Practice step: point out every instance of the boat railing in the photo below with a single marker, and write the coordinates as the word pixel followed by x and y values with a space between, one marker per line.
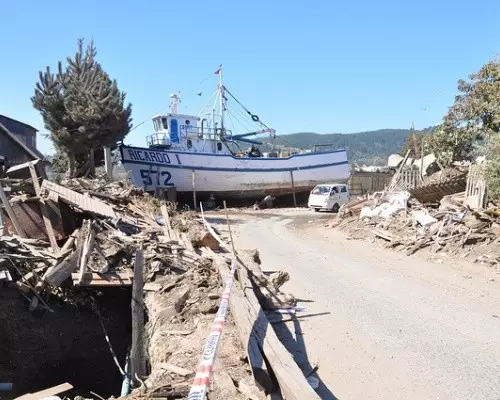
pixel 206 133
pixel 162 139
pixel 158 139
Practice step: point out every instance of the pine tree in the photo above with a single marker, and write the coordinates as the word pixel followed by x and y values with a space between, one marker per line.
pixel 82 108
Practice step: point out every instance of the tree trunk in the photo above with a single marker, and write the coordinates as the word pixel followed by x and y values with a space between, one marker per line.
pixel 71 167
pixel 91 166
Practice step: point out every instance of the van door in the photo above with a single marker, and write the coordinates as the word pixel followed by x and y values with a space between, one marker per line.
pixel 344 195
pixel 334 196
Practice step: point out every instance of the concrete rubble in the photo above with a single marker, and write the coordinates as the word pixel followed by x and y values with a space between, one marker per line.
pixel 434 215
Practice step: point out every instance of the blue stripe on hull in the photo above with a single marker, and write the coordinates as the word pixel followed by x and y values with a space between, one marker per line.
pixel 230 155
pixel 198 168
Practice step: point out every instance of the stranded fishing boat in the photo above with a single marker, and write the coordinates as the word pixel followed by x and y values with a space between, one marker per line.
pixel 199 152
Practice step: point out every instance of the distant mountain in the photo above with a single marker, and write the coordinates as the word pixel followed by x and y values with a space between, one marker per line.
pixel 372 147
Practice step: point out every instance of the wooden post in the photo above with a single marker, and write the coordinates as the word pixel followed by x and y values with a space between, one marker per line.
pixel 43 207
pixel 137 356
pixel 19 229
pixel 293 190
pixel 238 268
pixel 167 229
pixel 194 189
pixel 108 162
pixel 86 251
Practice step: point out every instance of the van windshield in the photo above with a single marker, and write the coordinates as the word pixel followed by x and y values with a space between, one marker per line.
pixel 324 190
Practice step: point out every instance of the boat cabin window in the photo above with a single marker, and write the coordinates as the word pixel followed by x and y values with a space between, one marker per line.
pixel 156 125
pixel 219 146
pixel 189 143
pixel 343 189
pixel 164 122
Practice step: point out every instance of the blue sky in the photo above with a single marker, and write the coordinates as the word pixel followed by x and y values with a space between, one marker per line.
pixel 317 66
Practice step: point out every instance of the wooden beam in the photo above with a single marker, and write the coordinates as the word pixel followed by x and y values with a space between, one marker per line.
pixel 244 323
pixel 107 279
pixel 261 342
pixel 137 351
pixel 167 229
pixel 86 251
pixel 46 393
pixel 84 203
pixel 58 273
pixel 45 212
pixel 19 229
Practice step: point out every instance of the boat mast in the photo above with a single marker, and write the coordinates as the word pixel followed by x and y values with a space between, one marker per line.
pixel 221 94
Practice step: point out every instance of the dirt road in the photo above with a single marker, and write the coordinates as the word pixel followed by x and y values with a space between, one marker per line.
pixel 397 327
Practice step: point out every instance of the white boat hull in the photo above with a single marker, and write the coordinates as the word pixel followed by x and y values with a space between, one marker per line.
pixel 227 176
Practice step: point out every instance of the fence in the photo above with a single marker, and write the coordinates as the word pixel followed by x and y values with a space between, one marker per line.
pixel 476 193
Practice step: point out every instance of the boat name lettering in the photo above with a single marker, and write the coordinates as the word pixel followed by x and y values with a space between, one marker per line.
pixel 151 156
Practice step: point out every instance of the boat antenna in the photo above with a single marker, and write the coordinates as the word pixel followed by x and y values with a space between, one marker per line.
pixel 174 104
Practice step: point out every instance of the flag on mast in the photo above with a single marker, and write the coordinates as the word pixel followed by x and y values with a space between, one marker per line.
pixel 218 70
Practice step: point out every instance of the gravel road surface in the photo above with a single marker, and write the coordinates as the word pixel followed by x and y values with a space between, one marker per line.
pixel 395 327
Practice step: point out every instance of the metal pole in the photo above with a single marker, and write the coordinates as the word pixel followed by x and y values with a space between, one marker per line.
pixel 194 189
pixel 293 190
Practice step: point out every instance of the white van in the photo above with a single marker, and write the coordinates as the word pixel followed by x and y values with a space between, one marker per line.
pixel 328 196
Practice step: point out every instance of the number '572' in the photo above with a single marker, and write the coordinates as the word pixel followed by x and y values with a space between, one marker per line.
pixel 147 180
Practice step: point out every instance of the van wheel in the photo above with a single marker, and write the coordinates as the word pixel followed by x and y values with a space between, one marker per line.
pixel 336 208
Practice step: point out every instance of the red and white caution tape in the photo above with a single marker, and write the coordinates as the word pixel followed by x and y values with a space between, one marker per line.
pixel 202 379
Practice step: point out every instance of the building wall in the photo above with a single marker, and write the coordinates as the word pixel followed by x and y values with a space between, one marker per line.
pixel 11 150
pixel 368 182
pixel 25 134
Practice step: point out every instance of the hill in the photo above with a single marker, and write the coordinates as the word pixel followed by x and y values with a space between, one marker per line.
pixel 372 147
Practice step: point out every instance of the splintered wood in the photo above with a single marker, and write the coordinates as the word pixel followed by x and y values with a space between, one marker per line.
pixel 117 238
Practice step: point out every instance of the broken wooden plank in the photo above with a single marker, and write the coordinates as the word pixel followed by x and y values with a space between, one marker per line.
pixel 293 384
pixel 84 203
pixel 47 392
pixel 261 342
pixel 137 351
pixel 10 212
pixel 122 278
pixel 383 235
pixel 152 287
pixel 43 207
pixel 86 250
pixel 175 369
pixel 178 332
pixel 166 222
pixel 58 273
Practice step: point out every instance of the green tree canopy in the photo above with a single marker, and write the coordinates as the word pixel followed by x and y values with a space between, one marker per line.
pixel 82 108
pixel 476 115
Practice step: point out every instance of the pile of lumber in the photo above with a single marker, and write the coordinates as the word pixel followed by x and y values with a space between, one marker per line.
pixel 108 223
pixel 101 234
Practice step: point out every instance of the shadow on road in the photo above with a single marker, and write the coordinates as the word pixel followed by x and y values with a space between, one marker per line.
pixel 295 344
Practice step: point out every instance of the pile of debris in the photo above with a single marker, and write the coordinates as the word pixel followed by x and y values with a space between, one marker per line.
pixel 95 234
pixel 405 224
